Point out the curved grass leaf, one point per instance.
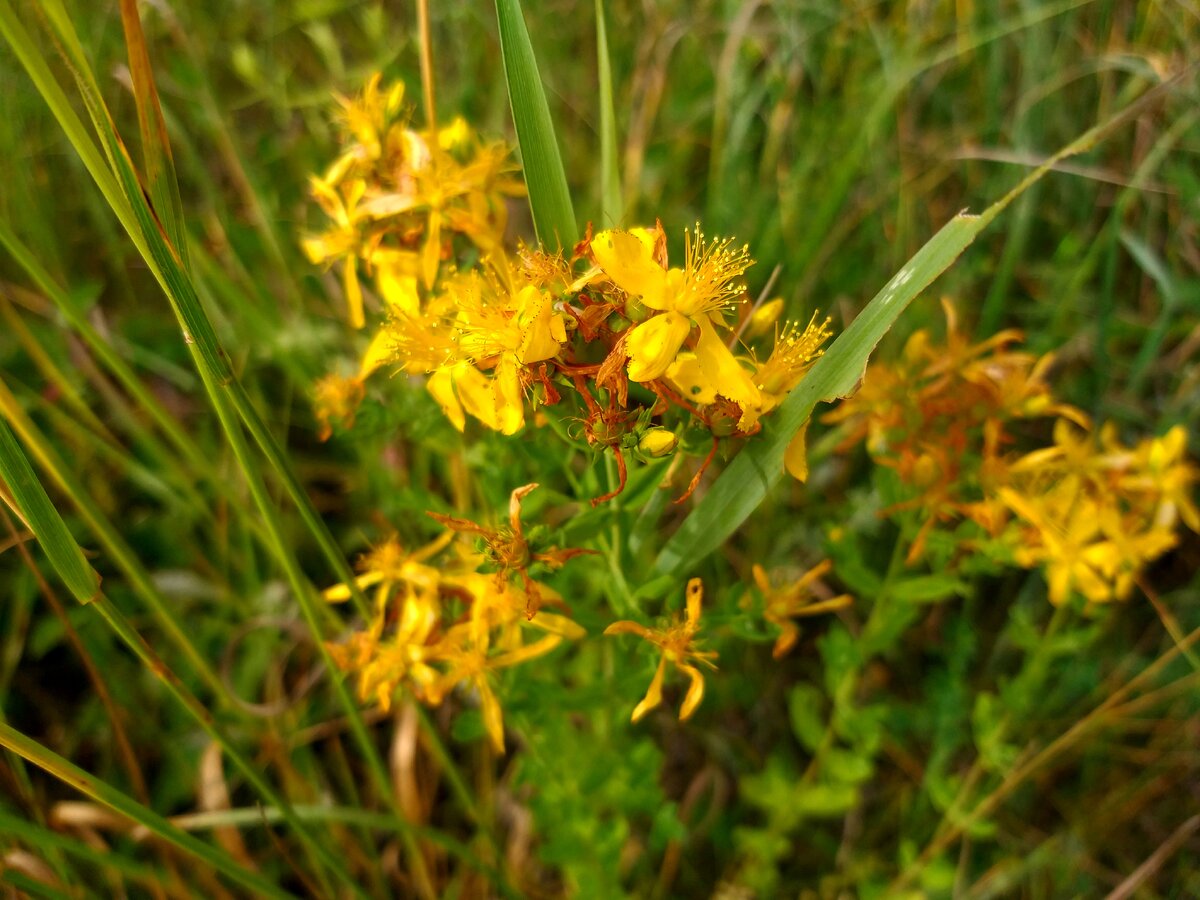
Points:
(549, 197)
(754, 471)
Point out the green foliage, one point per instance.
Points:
(949, 733)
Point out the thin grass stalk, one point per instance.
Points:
(53, 374)
(427, 81)
(310, 609)
(125, 751)
(105, 794)
(612, 212)
(112, 361)
(154, 663)
(128, 202)
(110, 539)
(51, 842)
(68, 560)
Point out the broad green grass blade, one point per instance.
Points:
(161, 183)
(109, 796)
(549, 197)
(44, 521)
(611, 207)
(744, 484)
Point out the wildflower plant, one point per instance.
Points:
(478, 520)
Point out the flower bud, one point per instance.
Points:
(657, 442)
(763, 318)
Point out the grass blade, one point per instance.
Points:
(549, 197)
(44, 521)
(104, 793)
(161, 183)
(745, 483)
(611, 206)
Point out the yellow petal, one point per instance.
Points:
(653, 345)
(629, 262)
(694, 694)
(508, 398)
(431, 253)
(526, 653)
(441, 386)
(340, 593)
(624, 627)
(795, 457)
(378, 352)
(536, 319)
(695, 595)
(556, 624)
(493, 718)
(474, 391)
(689, 380)
(720, 367)
(654, 694)
(354, 297)
(396, 277)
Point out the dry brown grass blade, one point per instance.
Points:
(212, 795)
(161, 183)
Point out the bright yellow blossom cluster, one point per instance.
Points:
(437, 627)
(396, 198)
(1089, 510)
(645, 350)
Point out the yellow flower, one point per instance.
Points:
(692, 297)
(678, 645)
(1160, 471)
(796, 349)
(387, 565)
(336, 399)
(503, 325)
(509, 550)
(470, 661)
(344, 241)
(782, 604)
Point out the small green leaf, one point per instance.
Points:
(847, 767)
(826, 800)
(929, 588)
(549, 197)
(804, 708)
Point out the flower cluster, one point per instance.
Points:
(1094, 512)
(613, 344)
(437, 627)
(397, 199)
(649, 352)
(640, 351)
(1089, 510)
